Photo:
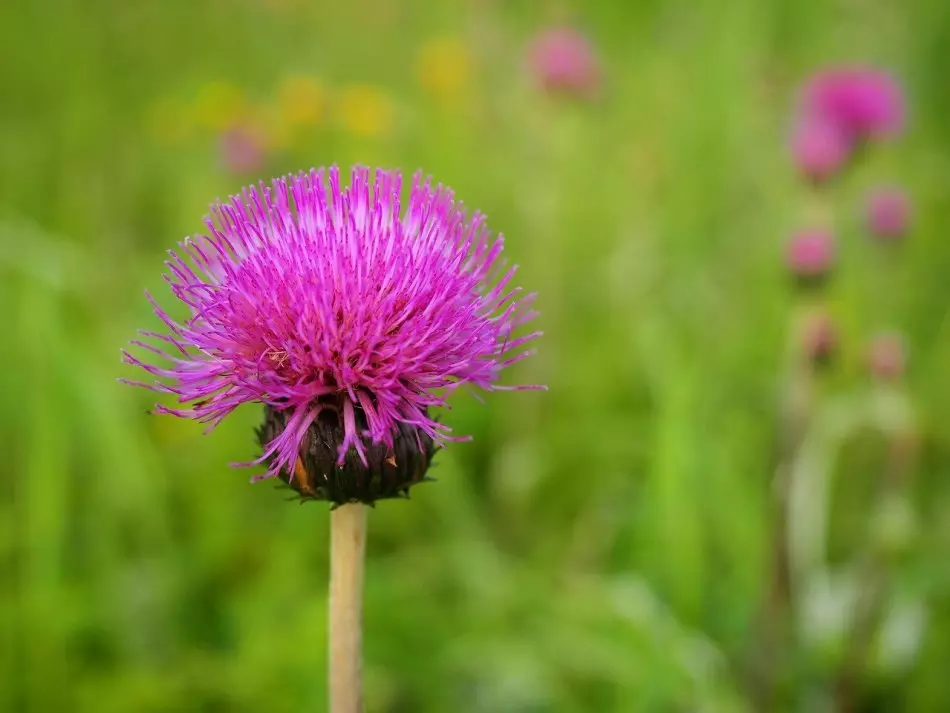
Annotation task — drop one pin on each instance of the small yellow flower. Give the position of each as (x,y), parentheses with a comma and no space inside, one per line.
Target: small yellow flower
(443,67)
(219,105)
(365,110)
(301,100)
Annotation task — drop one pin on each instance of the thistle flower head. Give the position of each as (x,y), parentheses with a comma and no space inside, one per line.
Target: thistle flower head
(563,60)
(887,213)
(865,103)
(348,318)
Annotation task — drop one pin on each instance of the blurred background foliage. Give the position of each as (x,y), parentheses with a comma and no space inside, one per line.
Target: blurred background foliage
(604,546)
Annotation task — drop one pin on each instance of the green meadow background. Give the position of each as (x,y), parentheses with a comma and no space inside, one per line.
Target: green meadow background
(605,546)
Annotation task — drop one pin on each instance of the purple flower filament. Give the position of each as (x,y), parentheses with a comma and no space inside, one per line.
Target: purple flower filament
(315,298)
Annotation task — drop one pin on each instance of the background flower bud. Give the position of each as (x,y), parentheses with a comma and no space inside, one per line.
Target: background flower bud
(887,213)
(810,255)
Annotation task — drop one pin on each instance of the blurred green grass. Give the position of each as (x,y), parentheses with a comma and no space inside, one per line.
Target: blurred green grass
(599,547)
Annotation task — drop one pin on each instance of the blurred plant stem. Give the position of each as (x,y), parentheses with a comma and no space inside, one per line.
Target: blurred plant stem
(867,617)
(771,642)
(347,557)
(875,575)
(795,412)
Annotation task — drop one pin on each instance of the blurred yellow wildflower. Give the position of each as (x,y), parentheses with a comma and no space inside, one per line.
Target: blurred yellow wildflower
(219,105)
(443,67)
(365,110)
(301,100)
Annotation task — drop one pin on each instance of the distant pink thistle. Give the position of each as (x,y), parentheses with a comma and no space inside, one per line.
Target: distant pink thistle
(819,147)
(887,213)
(887,356)
(242,150)
(810,254)
(327,301)
(865,103)
(563,60)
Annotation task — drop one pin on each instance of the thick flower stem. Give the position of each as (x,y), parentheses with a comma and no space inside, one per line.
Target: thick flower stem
(347,554)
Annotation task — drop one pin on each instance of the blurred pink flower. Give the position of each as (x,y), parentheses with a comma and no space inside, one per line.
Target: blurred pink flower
(887,356)
(563,60)
(242,150)
(864,103)
(819,148)
(887,213)
(810,253)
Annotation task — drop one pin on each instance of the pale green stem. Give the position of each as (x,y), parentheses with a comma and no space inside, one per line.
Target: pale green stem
(347,556)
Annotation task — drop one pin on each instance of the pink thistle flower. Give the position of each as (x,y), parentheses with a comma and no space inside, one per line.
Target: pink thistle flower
(562,60)
(346,317)
(887,213)
(810,254)
(819,147)
(865,103)
(887,356)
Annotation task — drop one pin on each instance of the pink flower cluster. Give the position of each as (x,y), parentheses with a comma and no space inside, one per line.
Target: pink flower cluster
(841,109)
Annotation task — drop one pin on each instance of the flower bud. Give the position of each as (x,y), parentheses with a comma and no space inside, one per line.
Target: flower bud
(563,60)
(819,339)
(819,148)
(810,255)
(887,214)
